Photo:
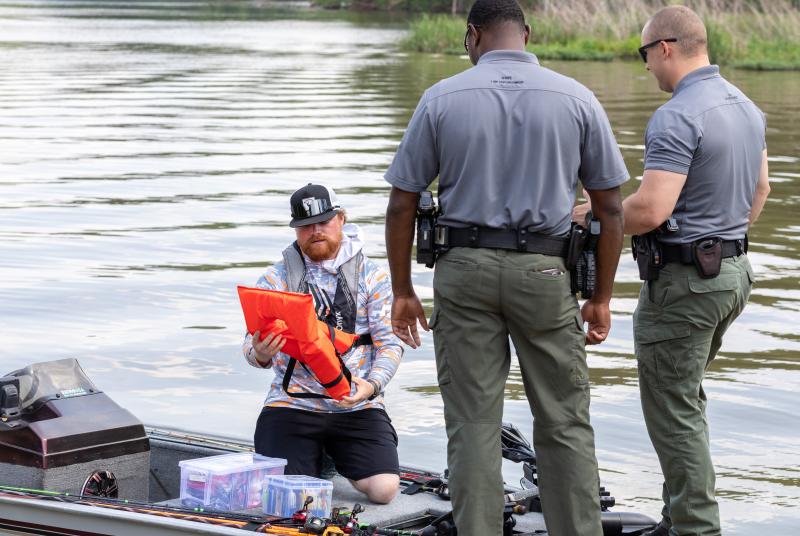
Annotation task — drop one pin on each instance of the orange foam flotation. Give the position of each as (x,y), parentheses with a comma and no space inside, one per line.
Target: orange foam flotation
(308,340)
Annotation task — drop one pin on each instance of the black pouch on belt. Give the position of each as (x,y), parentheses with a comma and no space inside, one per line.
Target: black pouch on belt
(707,256)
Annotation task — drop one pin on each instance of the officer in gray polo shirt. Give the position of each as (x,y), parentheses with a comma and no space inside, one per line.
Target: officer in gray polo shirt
(706,165)
(509,141)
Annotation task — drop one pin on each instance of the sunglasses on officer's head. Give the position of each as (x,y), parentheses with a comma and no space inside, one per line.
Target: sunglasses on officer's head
(643,48)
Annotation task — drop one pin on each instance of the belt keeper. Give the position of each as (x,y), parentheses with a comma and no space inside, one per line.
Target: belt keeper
(521,240)
(473,237)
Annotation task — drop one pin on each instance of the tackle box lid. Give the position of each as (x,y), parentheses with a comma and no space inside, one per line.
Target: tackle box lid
(236,462)
(296,481)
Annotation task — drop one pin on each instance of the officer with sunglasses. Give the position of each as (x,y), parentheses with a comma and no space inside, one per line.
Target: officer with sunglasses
(706,167)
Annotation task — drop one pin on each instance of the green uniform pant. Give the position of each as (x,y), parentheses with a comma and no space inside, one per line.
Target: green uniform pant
(481,296)
(678,327)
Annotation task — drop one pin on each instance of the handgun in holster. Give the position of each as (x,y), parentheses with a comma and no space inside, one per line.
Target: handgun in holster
(647,251)
(582,256)
(427,213)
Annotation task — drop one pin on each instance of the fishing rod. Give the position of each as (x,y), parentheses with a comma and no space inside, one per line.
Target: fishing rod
(196,514)
(342,522)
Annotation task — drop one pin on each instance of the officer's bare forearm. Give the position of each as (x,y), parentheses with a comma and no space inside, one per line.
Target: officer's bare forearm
(762,190)
(759,200)
(607,207)
(638,218)
(400,215)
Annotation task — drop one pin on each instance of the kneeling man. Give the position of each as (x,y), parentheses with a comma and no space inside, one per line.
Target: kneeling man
(350,293)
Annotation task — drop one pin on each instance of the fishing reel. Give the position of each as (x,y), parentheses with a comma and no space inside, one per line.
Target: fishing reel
(315,525)
(101,484)
(339,522)
(348,522)
(352,525)
(301,516)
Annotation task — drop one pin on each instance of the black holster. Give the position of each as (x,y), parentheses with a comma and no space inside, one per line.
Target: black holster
(582,257)
(647,253)
(427,213)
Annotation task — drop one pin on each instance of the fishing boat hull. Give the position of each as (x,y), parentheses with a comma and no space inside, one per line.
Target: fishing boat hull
(30,513)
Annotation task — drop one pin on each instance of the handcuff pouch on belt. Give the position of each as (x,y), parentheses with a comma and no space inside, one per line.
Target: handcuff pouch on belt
(707,253)
(427,213)
(707,256)
(582,256)
(647,251)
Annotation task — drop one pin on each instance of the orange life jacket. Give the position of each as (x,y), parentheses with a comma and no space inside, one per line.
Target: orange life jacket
(308,340)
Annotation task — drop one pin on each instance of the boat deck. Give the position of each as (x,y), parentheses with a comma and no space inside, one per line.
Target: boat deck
(169,447)
(404,509)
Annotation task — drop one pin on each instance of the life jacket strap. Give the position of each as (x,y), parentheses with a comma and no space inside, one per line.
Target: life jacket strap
(344,371)
(287,378)
(365,339)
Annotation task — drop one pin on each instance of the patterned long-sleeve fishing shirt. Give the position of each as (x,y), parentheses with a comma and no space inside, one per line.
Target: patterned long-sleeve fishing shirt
(377,362)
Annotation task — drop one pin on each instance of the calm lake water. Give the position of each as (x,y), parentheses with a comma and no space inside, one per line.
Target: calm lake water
(147,151)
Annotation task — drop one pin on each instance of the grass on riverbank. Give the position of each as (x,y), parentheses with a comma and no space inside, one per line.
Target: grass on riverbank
(756,35)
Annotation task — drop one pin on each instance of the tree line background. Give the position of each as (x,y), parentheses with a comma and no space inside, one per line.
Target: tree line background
(590,6)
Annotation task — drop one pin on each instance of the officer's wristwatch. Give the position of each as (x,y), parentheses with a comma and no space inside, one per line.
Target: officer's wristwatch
(376,389)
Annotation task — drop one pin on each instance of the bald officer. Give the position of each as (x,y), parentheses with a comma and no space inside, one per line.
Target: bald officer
(509,141)
(706,165)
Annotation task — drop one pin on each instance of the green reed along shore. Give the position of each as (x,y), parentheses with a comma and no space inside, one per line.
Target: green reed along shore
(760,35)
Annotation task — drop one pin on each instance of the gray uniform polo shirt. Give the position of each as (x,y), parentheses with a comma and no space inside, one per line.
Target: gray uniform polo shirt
(509,140)
(712,133)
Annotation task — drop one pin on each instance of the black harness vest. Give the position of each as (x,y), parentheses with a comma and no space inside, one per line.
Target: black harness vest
(339,314)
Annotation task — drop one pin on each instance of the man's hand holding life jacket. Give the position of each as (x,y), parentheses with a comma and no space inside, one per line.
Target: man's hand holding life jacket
(267,349)
(364,390)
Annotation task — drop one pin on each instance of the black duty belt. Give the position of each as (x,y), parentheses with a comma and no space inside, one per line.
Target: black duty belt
(514,239)
(682,253)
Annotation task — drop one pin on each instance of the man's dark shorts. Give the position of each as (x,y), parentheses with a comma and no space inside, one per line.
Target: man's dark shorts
(361,443)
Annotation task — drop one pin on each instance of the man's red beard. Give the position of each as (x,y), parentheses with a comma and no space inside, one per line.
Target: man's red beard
(320,247)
